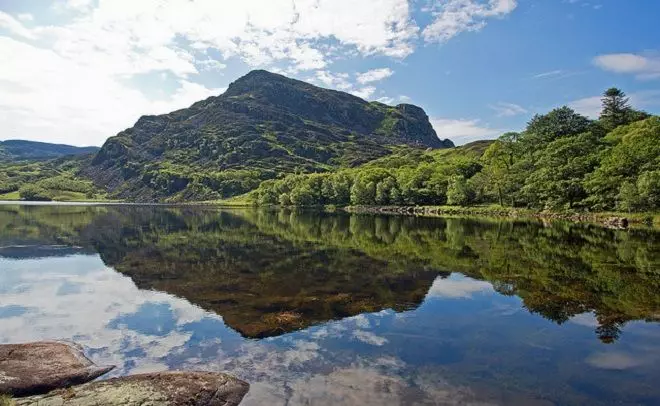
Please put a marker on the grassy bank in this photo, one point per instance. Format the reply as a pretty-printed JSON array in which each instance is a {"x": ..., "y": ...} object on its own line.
[
  {"x": 66, "y": 197},
  {"x": 10, "y": 196}
]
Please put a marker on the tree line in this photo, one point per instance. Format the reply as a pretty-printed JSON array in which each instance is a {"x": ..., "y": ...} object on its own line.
[{"x": 561, "y": 161}]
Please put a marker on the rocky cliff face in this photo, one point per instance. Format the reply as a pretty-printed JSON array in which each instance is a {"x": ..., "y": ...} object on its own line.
[{"x": 263, "y": 125}]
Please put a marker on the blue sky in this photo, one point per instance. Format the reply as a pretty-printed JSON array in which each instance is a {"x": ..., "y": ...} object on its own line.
[{"x": 79, "y": 71}]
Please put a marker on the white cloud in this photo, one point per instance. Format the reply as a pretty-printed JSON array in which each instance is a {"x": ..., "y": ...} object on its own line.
[
  {"x": 646, "y": 99},
  {"x": 335, "y": 80},
  {"x": 385, "y": 100},
  {"x": 255, "y": 31},
  {"x": 557, "y": 74},
  {"x": 63, "y": 80},
  {"x": 62, "y": 84},
  {"x": 210, "y": 65},
  {"x": 452, "y": 17},
  {"x": 642, "y": 66},
  {"x": 14, "y": 26},
  {"x": 463, "y": 131},
  {"x": 343, "y": 82},
  {"x": 25, "y": 17},
  {"x": 504, "y": 109},
  {"x": 374, "y": 75},
  {"x": 47, "y": 97},
  {"x": 364, "y": 92},
  {"x": 549, "y": 74},
  {"x": 78, "y": 4},
  {"x": 589, "y": 106}
]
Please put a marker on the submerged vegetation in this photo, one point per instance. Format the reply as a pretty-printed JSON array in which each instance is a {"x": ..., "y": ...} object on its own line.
[{"x": 561, "y": 161}]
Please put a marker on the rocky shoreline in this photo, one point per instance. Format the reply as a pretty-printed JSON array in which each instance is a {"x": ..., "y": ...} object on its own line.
[
  {"x": 607, "y": 220},
  {"x": 58, "y": 373}
]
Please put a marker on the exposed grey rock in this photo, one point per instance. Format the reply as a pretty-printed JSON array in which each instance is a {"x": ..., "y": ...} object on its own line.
[
  {"x": 157, "y": 389},
  {"x": 616, "y": 222},
  {"x": 39, "y": 367}
]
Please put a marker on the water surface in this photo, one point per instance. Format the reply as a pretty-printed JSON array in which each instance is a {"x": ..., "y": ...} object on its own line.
[{"x": 325, "y": 309}]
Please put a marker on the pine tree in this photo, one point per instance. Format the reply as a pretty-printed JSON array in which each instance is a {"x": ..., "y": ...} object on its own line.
[{"x": 616, "y": 109}]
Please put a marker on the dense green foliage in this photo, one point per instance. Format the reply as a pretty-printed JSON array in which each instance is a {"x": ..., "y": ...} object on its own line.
[
  {"x": 562, "y": 161},
  {"x": 409, "y": 176},
  {"x": 263, "y": 127},
  {"x": 47, "y": 180}
]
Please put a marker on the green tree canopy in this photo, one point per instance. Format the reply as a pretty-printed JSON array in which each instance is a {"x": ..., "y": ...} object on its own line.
[{"x": 560, "y": 122}]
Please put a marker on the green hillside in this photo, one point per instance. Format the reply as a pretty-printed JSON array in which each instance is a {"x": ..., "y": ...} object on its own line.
[
  {"x": 55, "y": 179},
  {"x": 17, "y": 150},
  {"x": 263, "y": 127}
]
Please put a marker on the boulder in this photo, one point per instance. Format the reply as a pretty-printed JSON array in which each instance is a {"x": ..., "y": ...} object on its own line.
[
  {"x": 156, "y": 389},
  {"x": 616, "y": 222},
  {"x": 39, "y": 367}
]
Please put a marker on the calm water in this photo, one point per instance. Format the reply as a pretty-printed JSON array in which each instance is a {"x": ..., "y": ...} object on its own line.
[{"x": 328, "y": 309}]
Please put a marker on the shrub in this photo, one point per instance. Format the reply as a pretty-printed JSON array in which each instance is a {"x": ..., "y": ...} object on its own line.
[{"x": 34, "y": 193}]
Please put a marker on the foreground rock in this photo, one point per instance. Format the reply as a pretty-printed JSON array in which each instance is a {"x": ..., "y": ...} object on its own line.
[
  {"x": 36, "y": 368},
  {"x": 158, "y": 389}
]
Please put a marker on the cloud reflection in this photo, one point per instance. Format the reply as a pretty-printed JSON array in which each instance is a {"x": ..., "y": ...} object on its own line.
[{"x": 457, "y": 287}]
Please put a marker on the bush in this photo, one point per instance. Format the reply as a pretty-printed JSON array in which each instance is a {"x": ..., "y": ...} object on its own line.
[
  {"x": 34, "y": 193},
  {"x": 8, "y": 187},
  {"x": 285, "y": 200}
]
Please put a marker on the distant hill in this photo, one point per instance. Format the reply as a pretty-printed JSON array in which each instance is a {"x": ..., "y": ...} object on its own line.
[
  {"x": 18, "y": 150},
  {"x": 264, "y": 126}
]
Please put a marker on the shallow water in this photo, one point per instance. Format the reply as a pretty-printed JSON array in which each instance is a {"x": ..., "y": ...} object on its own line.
[{"x": 326, "y": 309}]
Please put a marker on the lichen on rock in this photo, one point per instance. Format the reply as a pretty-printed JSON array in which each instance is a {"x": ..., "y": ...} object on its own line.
[{"x": 157, "y": 389}]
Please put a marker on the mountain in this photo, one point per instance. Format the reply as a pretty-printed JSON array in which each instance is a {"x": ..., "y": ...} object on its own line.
[
  {"x": 18, "y": 150},
  {"x": 264, "y": 126}
]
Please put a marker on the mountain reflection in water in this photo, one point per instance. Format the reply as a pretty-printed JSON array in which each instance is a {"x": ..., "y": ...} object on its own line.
[{"x": 310, "y": 306}]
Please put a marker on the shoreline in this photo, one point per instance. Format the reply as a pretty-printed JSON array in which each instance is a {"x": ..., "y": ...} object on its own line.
[{"x": 608, "y": 219}]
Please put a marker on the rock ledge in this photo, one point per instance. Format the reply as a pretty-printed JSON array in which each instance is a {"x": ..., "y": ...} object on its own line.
[
  {"x": 158, "y": 389},
  {"x": 39, "y": 367}
]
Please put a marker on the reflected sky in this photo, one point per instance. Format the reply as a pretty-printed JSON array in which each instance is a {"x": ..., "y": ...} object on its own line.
[
  {"x": 465, "y": 344},
  {"x": 326, "y": 309}
]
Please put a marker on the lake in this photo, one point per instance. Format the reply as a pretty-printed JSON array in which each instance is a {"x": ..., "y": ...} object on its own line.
[{"x": 325, "y": 309}]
